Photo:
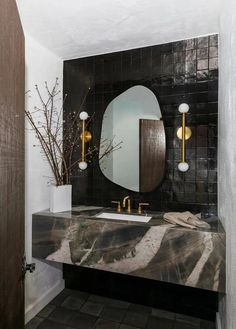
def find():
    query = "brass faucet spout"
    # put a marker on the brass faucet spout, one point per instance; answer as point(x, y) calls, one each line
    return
point(124, 200)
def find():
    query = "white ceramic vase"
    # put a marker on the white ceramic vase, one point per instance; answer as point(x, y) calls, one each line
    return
point(60, 198)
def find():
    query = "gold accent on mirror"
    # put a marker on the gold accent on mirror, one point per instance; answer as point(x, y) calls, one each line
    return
point(183, 133)
point(140, 206)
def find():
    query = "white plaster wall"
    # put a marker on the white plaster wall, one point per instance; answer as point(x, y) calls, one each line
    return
point(227, 155)
point(46, 282)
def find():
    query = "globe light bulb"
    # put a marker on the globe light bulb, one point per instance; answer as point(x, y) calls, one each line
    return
point(183, 166)
point(83, 115)
point(183, 108)
point(83, 165)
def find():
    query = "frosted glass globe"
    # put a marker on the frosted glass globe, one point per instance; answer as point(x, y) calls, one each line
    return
point(183, 166)
point(83, 165)
point(183, 108)
point(83, 115)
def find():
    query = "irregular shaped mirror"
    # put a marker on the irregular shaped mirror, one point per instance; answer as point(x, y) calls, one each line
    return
point(132, 146)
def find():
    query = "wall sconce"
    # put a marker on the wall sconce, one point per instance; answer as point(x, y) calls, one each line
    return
point(183, 133)
point(85, 138)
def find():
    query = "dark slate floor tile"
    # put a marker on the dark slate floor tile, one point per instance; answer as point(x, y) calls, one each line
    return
point(119, 304)
point(189, 320)
point(126, 326)
point(77, 294)
point(59, 299)
point(63, 315)
point(155, 322)
point(99, 299)
point(112, 313)
point(140, 308)
point(182, 325)
point(73, 303)
point(136, 319)
point(83, 321)
point(49, 324)
point(92, 308)
point(207, 325)
point(106, 324)
point(46, 311)
point(163, 314)
point(34, 323)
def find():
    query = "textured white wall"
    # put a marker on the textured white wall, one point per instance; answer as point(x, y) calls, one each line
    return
point(227, 155)
point(41, 66)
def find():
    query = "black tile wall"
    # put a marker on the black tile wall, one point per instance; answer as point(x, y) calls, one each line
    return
point(183, 71)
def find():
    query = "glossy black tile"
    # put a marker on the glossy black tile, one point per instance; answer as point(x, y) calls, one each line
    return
point(183, 71)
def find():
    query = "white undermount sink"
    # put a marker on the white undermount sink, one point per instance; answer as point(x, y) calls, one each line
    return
point(118, 216)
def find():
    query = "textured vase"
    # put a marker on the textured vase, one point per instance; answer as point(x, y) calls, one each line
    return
point(60, 198)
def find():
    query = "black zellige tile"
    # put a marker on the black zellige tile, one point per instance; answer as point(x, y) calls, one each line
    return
point(82, 320)
point(136, 319)
point(34, 323)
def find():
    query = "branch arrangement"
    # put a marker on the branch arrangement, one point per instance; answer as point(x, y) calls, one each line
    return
point(58, 137)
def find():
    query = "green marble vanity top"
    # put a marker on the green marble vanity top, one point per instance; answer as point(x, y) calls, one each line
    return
point(154, 250)
point(89, 212)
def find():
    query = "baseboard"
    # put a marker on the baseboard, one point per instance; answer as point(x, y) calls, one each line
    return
point(218, 321)
point(43, 300)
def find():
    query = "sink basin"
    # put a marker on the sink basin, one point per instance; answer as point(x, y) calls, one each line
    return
point(118, 216)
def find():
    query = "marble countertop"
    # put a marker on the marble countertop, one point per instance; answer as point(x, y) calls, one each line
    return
point(155, 250)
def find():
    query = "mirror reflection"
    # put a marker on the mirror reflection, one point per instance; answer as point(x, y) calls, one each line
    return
point(132, 129)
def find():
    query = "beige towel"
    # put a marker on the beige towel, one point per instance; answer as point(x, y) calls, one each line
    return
point(186, 219)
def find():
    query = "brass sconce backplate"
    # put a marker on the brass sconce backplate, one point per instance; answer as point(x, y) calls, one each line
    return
point(188, 133)
point(87, 136)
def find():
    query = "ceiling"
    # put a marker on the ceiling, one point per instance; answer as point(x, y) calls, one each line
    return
point(79, 28)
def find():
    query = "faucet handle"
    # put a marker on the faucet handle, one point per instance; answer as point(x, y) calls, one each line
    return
point(140, 206)
point(118, 205)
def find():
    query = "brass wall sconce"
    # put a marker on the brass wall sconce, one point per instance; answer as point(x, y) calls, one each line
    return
point(85, 138)
point(183, 133)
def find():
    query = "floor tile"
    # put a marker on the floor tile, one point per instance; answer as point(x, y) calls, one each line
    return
point(92, 308)
point(61, 314)
point(140, 308)
point(46, 311)
point(163, 314)
point(76, 293)
point(155, 322)
point(119, 303)
point(83, 321)
point(126, 326)
point(113, 313)
point(207, 325)
point(49, 324)
point(73, 303)
point(189, 320)
point(99, 299)
point(136, 319)
point(106, 324)
point(59, 299)
point(34, 323)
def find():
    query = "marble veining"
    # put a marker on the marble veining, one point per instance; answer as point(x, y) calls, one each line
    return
point(155, 250)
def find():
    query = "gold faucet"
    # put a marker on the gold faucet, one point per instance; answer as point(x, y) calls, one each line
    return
point(118, 205)
point(124, 203)
point(140, 206)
